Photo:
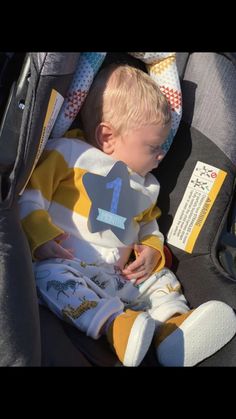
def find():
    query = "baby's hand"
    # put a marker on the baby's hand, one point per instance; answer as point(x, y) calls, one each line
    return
point(142, 267)
point(52, 249)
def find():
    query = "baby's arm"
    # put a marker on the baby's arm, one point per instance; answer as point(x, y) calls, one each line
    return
point(149, 252)
point(53, 249)
point(37, 197)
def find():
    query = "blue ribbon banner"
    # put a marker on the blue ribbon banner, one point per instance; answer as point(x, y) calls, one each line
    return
point(111, 218)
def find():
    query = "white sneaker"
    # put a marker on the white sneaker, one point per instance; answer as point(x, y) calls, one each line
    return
point(187, 339)
point(130, 335)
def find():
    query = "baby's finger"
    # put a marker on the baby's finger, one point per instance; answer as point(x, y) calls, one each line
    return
point(60, 252)
point(135, 275)
point(134, 266)
point(140, 280)
point(71, 251)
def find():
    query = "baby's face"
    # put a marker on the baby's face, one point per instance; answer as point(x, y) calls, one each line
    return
point(141, 148)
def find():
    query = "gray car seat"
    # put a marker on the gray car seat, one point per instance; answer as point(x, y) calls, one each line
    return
point(32, 336)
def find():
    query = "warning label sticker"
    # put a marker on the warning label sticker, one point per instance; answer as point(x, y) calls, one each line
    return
point(54, 105)
point(200, 194)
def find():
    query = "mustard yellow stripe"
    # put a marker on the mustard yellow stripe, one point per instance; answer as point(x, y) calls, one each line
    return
point(205, 211)
point(149, 214)
point(53, 170)
point(39, 228)
point(48, 173)
point(72, 193)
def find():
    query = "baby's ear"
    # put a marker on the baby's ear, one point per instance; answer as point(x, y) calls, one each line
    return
point(104, 137)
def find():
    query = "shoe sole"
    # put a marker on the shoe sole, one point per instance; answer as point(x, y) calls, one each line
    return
point(139, 341)
point(204, 332)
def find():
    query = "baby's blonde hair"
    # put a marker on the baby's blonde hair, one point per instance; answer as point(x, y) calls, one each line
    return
point(125, 97)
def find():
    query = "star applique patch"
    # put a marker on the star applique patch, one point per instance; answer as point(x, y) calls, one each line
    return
point(114, 202)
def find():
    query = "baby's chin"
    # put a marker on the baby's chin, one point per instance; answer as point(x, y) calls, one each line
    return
point(142, 173)
point(155, 165)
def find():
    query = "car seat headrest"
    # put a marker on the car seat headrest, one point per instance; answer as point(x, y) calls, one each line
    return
point(161, 67)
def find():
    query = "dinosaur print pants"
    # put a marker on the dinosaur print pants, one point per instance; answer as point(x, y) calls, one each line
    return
point(87, 295)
